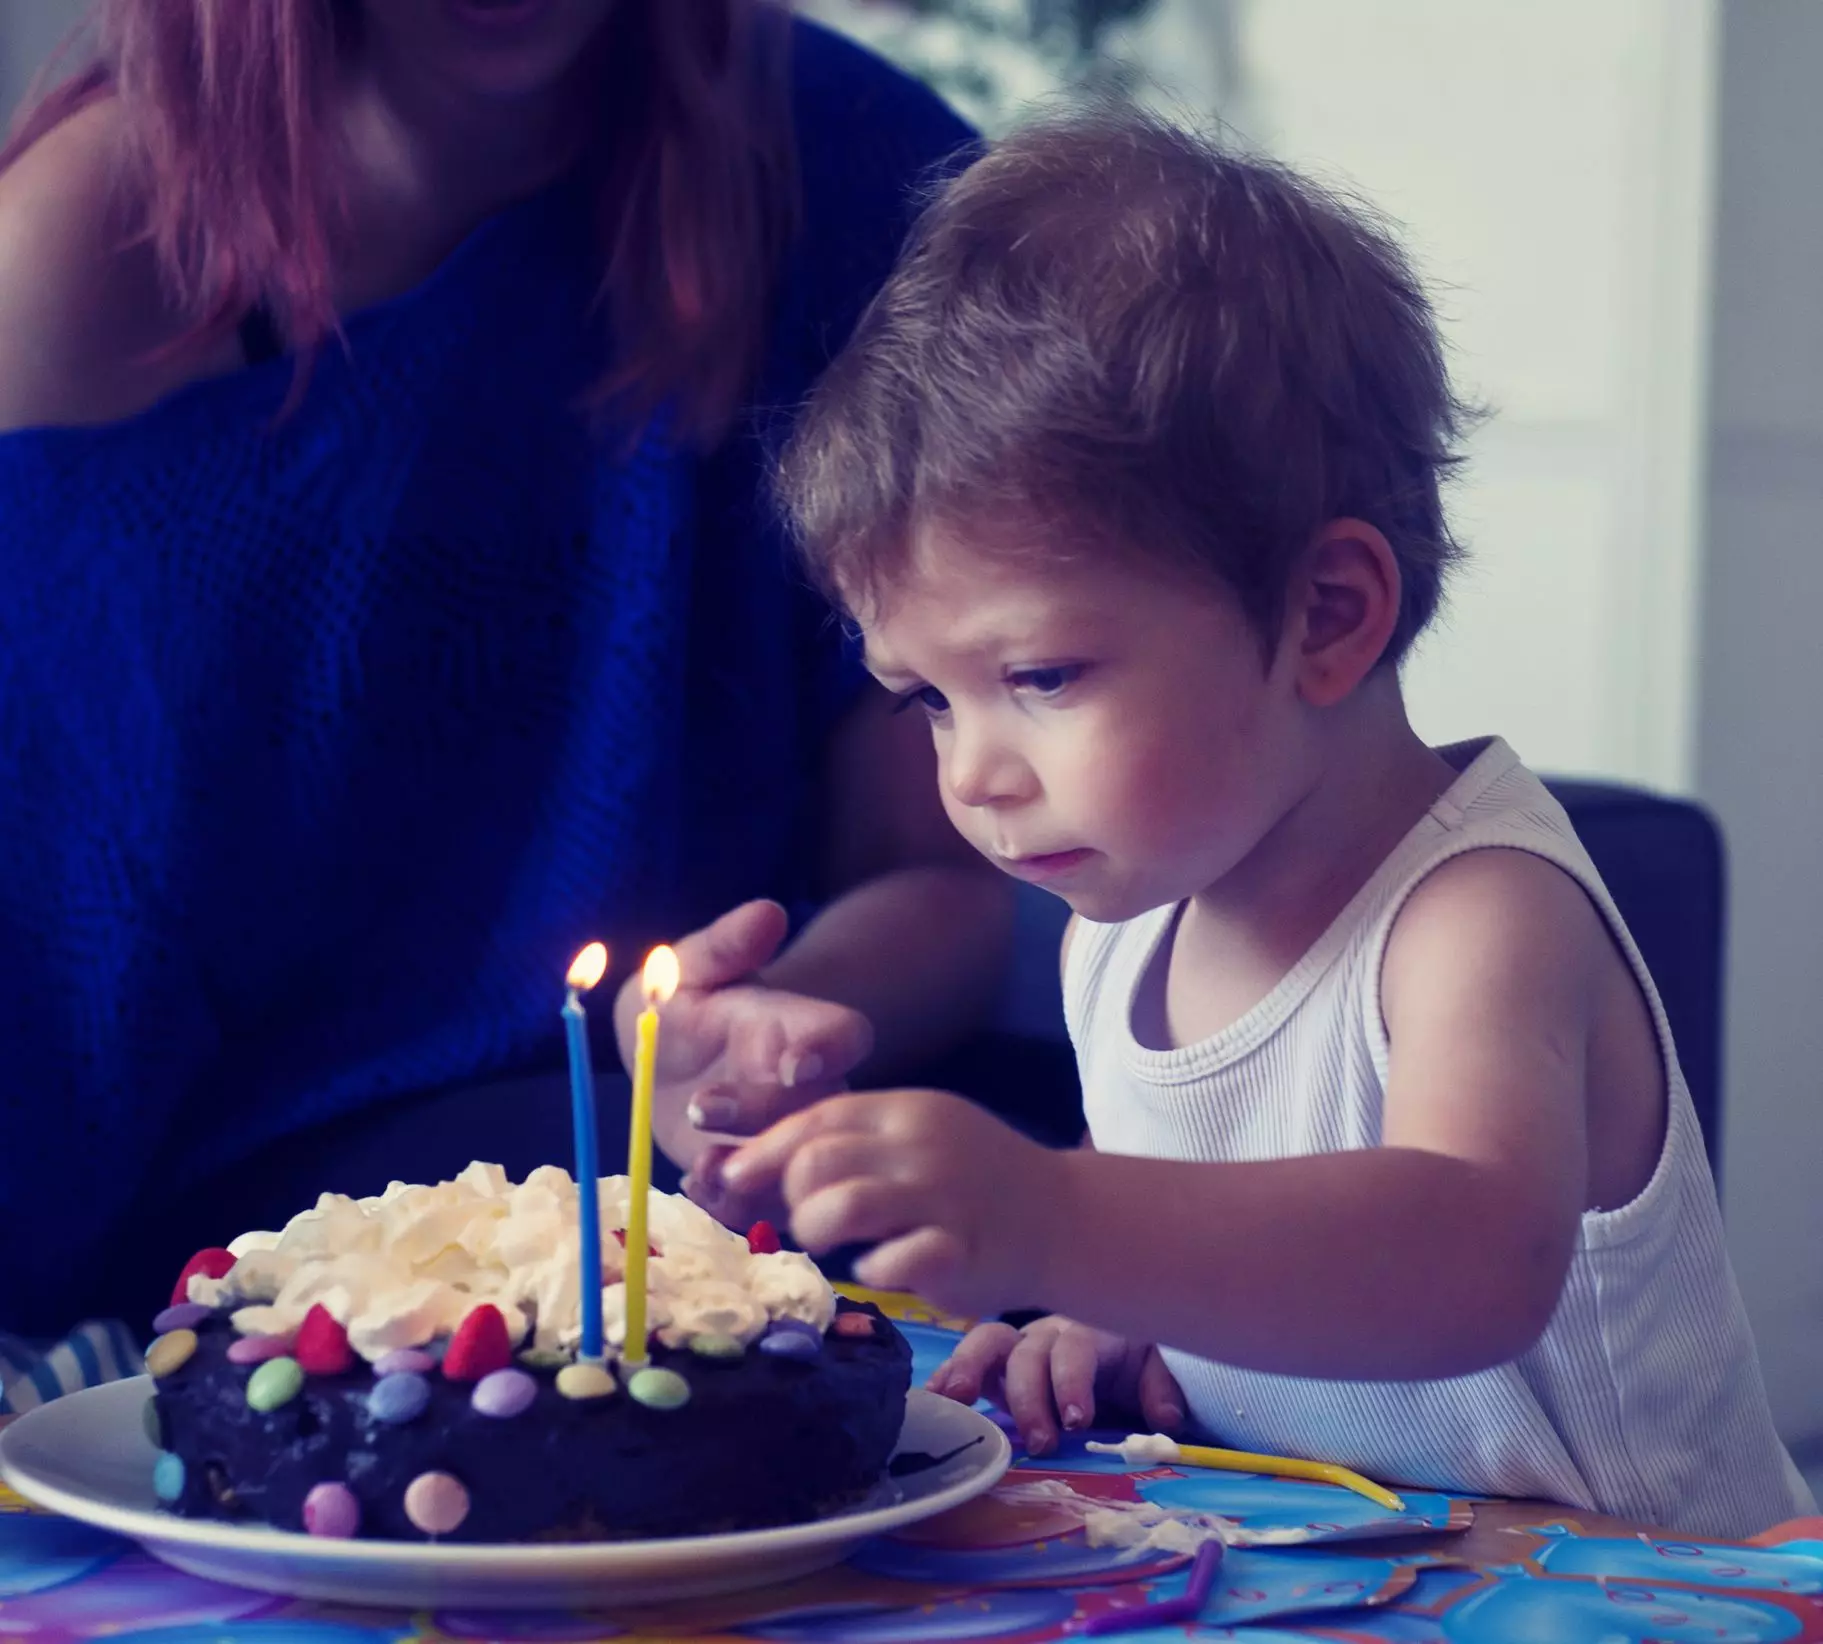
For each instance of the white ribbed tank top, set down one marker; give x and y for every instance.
(1642, 1398)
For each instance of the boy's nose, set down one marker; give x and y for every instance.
(982, 771)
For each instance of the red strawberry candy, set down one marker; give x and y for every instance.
(212, 1263)
(322, 1346)
(479, 1347)
(762, 1238)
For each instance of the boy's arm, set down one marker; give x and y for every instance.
(1438, 1253)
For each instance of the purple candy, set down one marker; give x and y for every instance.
(791, 1344)
(332, 1510)
(257, 1349)
(182, 1316)
(398, 1399)
(798, 1325)
(503, 1393)
(403, 1359)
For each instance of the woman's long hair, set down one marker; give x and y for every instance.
(226, 110)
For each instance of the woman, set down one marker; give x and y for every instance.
(387, 606)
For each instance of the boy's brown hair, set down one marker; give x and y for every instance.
(1111, 332)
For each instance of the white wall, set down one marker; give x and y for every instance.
(1550, 163)
(1760, 743)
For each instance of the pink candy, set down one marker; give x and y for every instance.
(403, 1359)
(332, 1510)
(258, 1349)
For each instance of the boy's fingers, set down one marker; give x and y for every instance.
(735, 945)
(765, 1157)
(1028, 1393)
(1074, 1365)
(856, 1210)
(1161, 1400)
(922, 1261)
(967, 1373)
(827, 1161)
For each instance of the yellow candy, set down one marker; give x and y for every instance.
(170, 1352)
(585, 1381)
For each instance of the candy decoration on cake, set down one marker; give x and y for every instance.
(401, 1359)
(480, 1345)
(853, 1324)
(659, 980)
(398, 1398)
(762, 1238)
(274, 1385)
(168, 1477)
(658, 1389)
(332, 1509)
(180, 1316)
(503, 1394)
(586, 1381)
(322, 1344)
(213, 1263)
(257, 1349)
(586, 969)
(713, 1344)
(436, 1503)
(170, 1353)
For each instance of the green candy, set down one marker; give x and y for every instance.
(712, 1344)
(544, 1358)
(659, 1389)
(276, 1382)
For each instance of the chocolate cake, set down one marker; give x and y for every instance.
(406, 1367)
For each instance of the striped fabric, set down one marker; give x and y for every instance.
(1642, 1398)
(33, 1373)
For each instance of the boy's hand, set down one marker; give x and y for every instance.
(958, 1207)
(1050, 1374)
(736, 1054)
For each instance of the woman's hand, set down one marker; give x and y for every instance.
(1050, 1376)
(736, 1054)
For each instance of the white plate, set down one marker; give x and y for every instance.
(87, 1456)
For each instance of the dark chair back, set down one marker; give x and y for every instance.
(1662, 862)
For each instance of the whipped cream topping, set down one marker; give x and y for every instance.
(405, 1267)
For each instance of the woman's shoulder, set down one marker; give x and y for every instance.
(871, 140)
(85, 325)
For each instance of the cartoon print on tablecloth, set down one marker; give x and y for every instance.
(1795, 1567)
(38, 1552)
(1031, 1614)
(286, 1630)
(131, 1591)
(1527, 1607)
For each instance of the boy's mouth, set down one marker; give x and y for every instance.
(1047, 865)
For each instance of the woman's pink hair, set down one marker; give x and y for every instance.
(225, 108)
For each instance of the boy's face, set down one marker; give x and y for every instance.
(1105, 729)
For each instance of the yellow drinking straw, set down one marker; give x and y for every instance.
(1156, 1447)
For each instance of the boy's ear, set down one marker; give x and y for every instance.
(1344, 607)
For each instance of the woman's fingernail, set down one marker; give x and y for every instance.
(712, 1112)
(1072, 1416)
(800, 1070)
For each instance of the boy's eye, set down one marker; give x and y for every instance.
(1047, 681)
(927, 697)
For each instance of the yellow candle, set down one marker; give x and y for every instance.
(660, 982)
(1327, 1472)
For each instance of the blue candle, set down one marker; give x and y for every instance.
(586, 970)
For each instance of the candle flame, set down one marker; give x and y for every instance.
(661, 975)
(588, 967)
